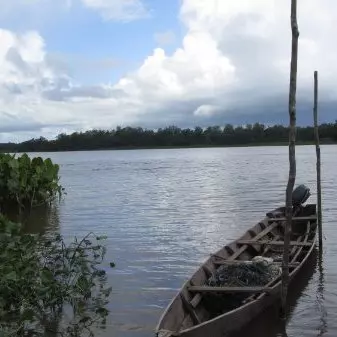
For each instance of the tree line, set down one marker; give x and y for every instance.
(172, 136)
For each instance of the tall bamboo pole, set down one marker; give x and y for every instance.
(318, 164)
(292, 159)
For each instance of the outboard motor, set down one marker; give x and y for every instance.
(300, 195)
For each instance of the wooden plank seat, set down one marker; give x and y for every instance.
(298, 218)
(224, 262)
(273, 243)
(208, 289)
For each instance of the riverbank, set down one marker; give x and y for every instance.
(129, 138)
(123, 148)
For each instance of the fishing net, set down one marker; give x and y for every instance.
(257, 272)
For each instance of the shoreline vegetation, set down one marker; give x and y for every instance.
(49, 286)
(129, 138)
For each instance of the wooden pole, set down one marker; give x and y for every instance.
(292, 159)
(318, 165)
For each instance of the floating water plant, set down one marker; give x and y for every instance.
(26, 182)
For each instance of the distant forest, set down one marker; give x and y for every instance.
(128, 137)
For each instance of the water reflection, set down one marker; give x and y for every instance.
(165, 211)
(323, 327)
(283, 332)
(39, 220)
(268, 324)
(43, 219)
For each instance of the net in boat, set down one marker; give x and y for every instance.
(257, 272)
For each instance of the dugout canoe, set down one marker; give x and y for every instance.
(190, 313)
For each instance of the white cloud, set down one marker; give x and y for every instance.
(196, 70)
(165, 38)
(118, 10)
(22, 63)
(235, 55)
(35, 94)
(206, 110)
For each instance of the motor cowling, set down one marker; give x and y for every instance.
(300, 195)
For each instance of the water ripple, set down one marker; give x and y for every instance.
(165, 211)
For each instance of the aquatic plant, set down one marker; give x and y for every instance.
(48, 287)
(26, 182)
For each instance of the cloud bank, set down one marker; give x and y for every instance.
(231, 66)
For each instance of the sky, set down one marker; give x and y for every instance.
(76, 65)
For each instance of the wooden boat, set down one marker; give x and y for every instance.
(191, 312)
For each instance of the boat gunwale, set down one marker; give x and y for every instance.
(259, 298)
(187, 282)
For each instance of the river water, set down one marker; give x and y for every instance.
(165, 211)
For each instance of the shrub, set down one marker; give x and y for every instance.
(49, 287)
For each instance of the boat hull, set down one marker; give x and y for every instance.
(236, 319)
(186, 315)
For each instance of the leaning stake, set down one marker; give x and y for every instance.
(292, 160)
(318, 164)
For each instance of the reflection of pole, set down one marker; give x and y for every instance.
(318, 164)
(292, 159)
(283, 331)
(320, 297)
